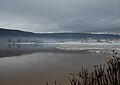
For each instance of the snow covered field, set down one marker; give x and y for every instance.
(92, 47)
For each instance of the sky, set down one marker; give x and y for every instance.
(60, 15)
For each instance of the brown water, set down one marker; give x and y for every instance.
(34, 65)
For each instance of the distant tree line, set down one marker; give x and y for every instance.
(14, 41)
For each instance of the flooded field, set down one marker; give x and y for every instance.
(36, 64)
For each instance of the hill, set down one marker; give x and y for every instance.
(76, 36)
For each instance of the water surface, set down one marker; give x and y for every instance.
(36, 64)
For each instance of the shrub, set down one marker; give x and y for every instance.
(108, 74)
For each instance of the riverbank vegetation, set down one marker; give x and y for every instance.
(108, 74)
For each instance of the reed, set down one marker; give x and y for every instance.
(108, 74)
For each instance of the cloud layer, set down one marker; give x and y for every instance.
(60, 15)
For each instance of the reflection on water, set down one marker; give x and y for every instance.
(18, 49)
(18, 67)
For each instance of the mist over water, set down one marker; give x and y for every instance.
(36, 64)
(30, 31)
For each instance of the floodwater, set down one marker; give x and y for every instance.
(36, 64)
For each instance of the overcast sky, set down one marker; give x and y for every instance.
(60, 15)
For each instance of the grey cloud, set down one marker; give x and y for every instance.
(85, 24)
(60, 15)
